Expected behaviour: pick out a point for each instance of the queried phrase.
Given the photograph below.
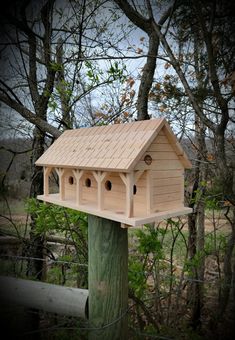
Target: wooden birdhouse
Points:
(132, 173)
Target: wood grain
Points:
(108, 278)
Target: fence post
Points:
(108, 279)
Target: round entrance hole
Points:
(108, 185)
(148, 159)
(134, 189)
(71, 180)
(88, 182)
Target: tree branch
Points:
(183, 79)
(134, 16)
(30, 116)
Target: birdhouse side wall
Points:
(115, 198)
(70, 185)
(114, 193)
(89, 187)
(140, 193)
(167, 173)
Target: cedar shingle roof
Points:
(112, 147)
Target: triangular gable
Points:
(165, 127)
(113, 147)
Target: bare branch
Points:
(30, 116)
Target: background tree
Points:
(48, 69)
(201, 28)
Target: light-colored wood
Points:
(108, 148)
(61, 173)
(100, 177)
(78, 175)
(90, 208)
(165, 182)
(161, 155)
(123, 177)
(166, 206)
(160, 147)
(46, 174)
(167, 189)
(138, 174)
(149, 193)
(158, 174)
(44, 296)
(157, 165)
(104, 169)
(129, 194)
(160, 198)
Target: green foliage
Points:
(212, 203)
(148, 250)
(116, 72)
(194, 263)
(56, 66)
(137, 277)
(199, 194)
(50, 217)
(149, 242)
(64, 88)
(71, 262)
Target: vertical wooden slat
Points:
(78, 175)
(46, 173)
(62, 185)
(129, 194)
(61, 173)
(99, 177)
(149, 192)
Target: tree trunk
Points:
(226, 184)
(197, 225)
(35, 267)
(228, 274)
(147, 78)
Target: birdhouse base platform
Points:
(119, 216)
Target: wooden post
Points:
(46, 173)
(100, 177)
(128, 180)
(108, 279)
(129, 194)
(61, 173)
(78, 175)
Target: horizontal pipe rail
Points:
(44, 296)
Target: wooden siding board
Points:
(164, 182)
(161, 174)
(157, 155)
